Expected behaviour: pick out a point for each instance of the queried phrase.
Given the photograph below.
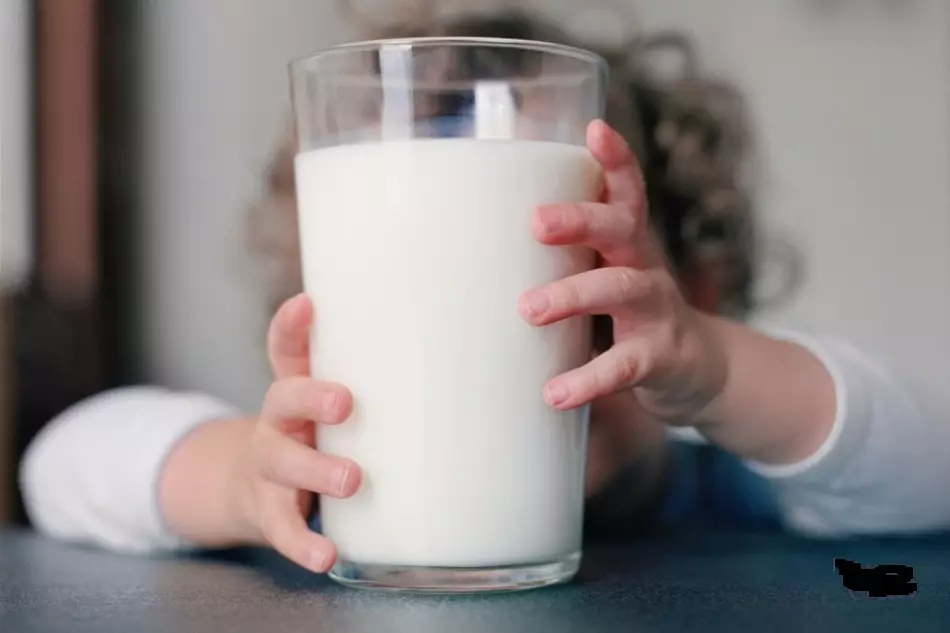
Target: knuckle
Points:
(568, 296)
(582, 218)
(310, 399)
(271, 396)
(267, 457)
(650, 355)
(629, 282)
(604, 380)
(654, 284)
(628, 368)
(322, 474)
(279, 535)
(276, 394)
(656, 290)
(293, 397)
(621, 228)
(271, 529)
(257, 449)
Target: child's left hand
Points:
(662, 348)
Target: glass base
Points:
(442, 580)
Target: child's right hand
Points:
(283, 467)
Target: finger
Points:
(623, 179)
(288, 338)
(303, 398)
(298, 466)
(603, 227)
(285, 529)
(621, 367)
(625, 188)
(616, 291)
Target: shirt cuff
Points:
(185, 413)
(92, 475)
(850, 426)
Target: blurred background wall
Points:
(851, 100)
(214, 95)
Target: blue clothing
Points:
(709, 486)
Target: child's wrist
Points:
(720, 341)
(242, 512)
(777, 401)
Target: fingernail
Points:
(317, 560)
(340, 475)
(556, 393)
(550, 221)
(536, 303)
(330, 402)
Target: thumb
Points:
(288, 344)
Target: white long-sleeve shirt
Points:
(92, 474)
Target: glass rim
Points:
(537, 46)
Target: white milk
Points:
(415, 254)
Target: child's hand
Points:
(283, 468)
(662, 348)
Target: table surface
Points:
(685, 582)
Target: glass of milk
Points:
(420, 164)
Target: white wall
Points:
(854, 105)
(16, 254)
(215, 93)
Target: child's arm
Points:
(878, 462)
(147, 469)
(777, 404)
(91, 475)
(759, 397)
(882, 464)
(200, 487)
(848, 446)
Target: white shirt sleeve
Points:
(91, 475)
(885, 466)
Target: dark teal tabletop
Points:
(683, 582)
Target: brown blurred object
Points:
(67, 99)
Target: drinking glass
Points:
(420, 165)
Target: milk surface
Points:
(415, 254)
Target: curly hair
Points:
(689, 132)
